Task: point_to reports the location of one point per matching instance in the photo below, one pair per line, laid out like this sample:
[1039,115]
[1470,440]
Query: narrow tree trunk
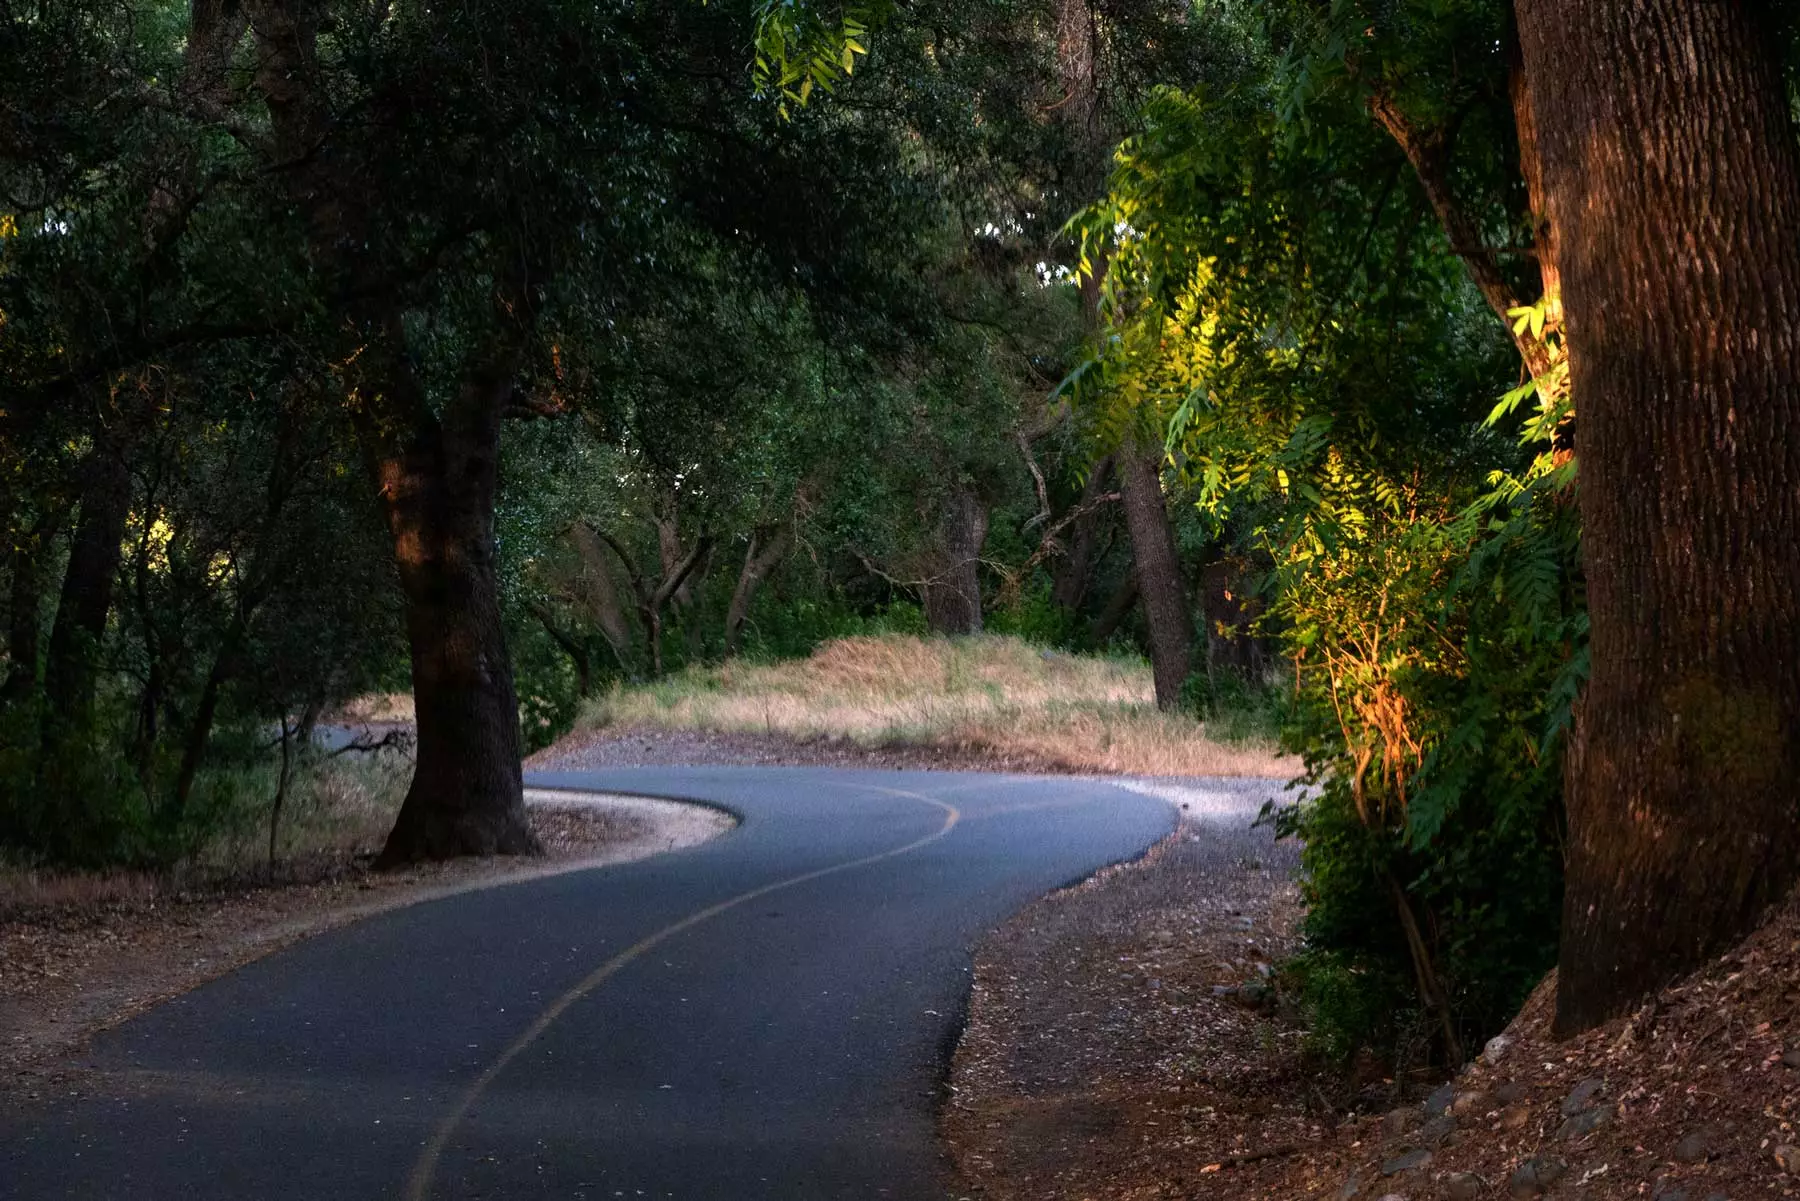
[467,795]
[1123,600]
[600,596]
[26,611]
[72,657]
[570,646]
[1670,175]
[1431,988]
[193,753]
[952,597]
[1428,150]
[759,561]
[1075,573]
[281,789]
[1158,571]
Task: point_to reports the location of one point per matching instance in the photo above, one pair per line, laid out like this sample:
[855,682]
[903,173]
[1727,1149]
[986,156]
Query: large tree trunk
[1670,175]
[1158,571]
[952,596]
[466,796]
[437,474]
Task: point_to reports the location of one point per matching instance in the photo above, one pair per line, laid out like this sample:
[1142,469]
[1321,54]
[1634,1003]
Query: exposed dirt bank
[79,954]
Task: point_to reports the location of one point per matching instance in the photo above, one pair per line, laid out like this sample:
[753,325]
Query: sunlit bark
[1671,182]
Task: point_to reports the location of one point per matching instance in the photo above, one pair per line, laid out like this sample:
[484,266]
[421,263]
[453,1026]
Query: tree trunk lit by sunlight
[1670,177]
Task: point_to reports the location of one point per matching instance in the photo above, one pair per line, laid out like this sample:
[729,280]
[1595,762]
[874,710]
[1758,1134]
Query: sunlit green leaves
[801,45]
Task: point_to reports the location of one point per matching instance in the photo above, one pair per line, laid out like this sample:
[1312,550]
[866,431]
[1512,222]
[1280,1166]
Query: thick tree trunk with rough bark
[1158,570]
[437,473]
[1670,176]
[466,796]
[952,596]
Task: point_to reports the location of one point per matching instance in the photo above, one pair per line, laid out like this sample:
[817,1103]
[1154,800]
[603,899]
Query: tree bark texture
[466,796]
[1670,177]
[1158,571]
[952,595]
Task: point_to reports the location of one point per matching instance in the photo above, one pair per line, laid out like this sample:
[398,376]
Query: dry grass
[335,809]
[1072,712]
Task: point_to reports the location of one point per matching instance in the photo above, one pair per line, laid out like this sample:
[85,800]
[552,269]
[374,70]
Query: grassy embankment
[1000,694]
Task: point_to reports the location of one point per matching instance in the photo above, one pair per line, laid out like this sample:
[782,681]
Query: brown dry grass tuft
[999,694]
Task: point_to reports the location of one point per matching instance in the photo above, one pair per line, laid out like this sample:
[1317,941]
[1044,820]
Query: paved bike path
[766,1015]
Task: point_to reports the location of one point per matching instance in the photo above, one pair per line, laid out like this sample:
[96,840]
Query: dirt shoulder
[1123,1044]
[80,955]
[1119,1038]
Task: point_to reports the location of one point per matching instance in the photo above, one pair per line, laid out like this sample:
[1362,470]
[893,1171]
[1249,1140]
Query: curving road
[767,1015]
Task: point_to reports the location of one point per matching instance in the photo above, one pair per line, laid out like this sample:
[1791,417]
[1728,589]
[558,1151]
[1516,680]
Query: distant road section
[764,1017]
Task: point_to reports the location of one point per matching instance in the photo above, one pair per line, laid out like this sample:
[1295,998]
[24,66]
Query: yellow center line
[418,1185]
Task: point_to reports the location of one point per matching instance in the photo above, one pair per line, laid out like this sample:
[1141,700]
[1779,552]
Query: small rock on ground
[1535,1177]
[1692,1148]
[1462,1186]
[1584,1122]
[1406,1162]
[1582,1095]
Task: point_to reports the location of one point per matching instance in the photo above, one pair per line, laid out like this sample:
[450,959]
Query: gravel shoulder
[79,960]
[1120,1037]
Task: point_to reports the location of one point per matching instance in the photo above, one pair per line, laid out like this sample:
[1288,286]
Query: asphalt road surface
[766,1016]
